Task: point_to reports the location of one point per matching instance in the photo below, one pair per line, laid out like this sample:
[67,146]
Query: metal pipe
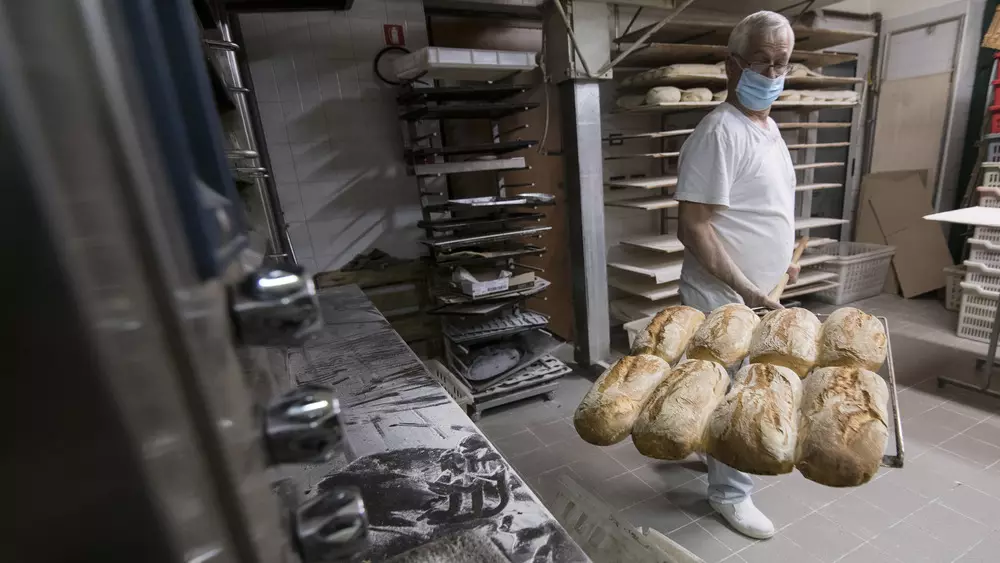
[572,36]
[642,40]
[280,246]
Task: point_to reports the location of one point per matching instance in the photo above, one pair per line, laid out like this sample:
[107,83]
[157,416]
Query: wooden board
[645,203]
[647,289]
[677,107]
[814,259]
[818,145]
[652,135]
[658,267]
[813,125]
[657,182]
[646,183]
[809,289]
[814,242]
[802,223]
[438,168]
[656,55]
[717,33]
[814,187]
[912,116]
[809,277]
[643,155]
[632,308]
[667,244]
[719,82]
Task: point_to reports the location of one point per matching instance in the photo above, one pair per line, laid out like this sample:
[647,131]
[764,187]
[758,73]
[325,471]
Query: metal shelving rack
[644,268]
[481,231]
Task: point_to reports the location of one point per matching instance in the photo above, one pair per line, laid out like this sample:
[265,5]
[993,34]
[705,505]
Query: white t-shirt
[733,162]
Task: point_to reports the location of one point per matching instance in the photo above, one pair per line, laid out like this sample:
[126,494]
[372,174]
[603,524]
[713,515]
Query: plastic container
[432,63]
[995,122]
[991,179]
[984,252]
[983,276]
[979,309]
[954,276]
[993,152]
[450,382]
[861,269]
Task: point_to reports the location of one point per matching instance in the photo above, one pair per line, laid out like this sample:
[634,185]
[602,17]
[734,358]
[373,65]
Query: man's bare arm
[698,236]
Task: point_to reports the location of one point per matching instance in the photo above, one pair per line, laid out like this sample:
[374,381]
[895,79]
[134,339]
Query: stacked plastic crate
[981,286]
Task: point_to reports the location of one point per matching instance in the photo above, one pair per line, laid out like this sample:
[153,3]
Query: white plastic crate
[984,252]
[979,309]
[993,151]
[458,390]
[991,179]
[989,234]
[433,63]
[605,537]
[953,289]
[982,276]
[861,269]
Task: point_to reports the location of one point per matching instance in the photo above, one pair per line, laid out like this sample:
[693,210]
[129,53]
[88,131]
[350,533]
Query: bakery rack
[644,270]
[492,232]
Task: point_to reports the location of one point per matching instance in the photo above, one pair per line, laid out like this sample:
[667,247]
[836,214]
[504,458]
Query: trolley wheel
[549,396]
[475,415]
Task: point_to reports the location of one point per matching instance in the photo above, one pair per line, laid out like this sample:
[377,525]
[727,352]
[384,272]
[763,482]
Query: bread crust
[843,426]
[754,428]
[725,335]
[852,338]
[672,424]
[609,409]
[668,334]
[787,337]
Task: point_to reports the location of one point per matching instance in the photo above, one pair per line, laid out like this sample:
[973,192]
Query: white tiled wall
[331,129]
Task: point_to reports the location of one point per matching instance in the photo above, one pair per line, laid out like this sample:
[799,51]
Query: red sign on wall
[393,34]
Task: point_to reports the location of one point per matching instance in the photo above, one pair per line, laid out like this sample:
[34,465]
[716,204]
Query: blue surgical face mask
[756,91]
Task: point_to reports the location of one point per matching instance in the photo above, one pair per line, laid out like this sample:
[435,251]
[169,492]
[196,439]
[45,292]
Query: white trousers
[725,484]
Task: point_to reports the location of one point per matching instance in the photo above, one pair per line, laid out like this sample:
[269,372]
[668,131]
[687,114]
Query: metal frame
[583,162]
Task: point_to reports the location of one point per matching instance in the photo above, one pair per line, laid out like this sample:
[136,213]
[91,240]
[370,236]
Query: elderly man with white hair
[736,187]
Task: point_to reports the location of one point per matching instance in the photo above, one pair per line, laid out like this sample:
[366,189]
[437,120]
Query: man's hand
[793,273]
[754,298]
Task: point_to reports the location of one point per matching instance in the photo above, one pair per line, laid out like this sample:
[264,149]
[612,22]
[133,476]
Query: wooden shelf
[814,187]
[643,155]
[615,137]
[693,81]
[818,146]
[661,54]
[658,267]
[645,289]
[815,165]
[634,308]
[439,168]
[645,203]
[809,289]
[813,125]
[647,183]
[811,277]
[808,260]
[677,107]
[667,244]
[802,223]
[814,242]
[690,32]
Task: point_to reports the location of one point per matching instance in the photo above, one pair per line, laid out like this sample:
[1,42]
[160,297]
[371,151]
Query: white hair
[769,26]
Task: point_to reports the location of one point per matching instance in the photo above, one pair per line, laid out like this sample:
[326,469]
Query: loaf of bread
[842,426]
[696,95]
[851,338]
[630,101]
[754,427]
[786,337]
[725,335]
[609,409]
[663,95]
[667,335]
[672,424]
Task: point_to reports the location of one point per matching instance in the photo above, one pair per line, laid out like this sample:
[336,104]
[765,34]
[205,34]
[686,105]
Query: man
[736,189]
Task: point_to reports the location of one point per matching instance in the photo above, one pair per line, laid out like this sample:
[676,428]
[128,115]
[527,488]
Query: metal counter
[424,469]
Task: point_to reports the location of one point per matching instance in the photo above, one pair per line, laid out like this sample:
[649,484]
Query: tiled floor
[942,506]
